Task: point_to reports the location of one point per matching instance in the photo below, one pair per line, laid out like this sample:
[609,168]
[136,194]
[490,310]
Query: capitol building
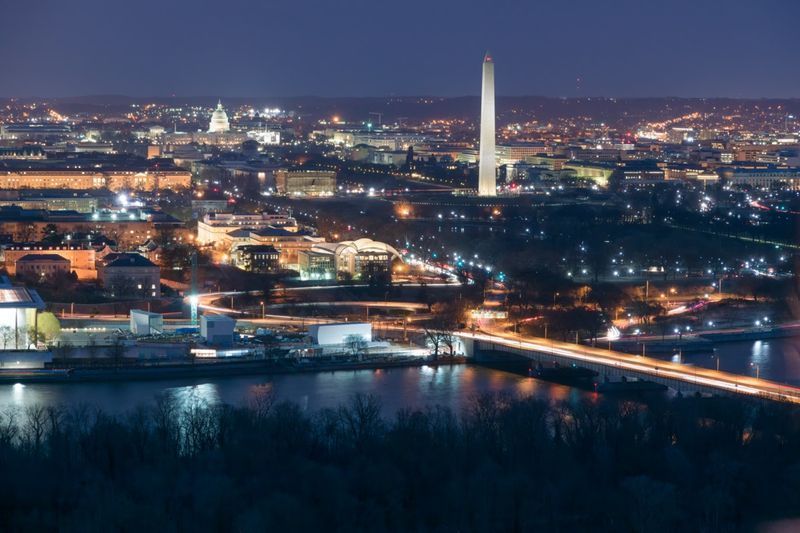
[219,120]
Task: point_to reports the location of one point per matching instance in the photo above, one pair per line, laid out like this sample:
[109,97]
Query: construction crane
[193,296]
[379,115]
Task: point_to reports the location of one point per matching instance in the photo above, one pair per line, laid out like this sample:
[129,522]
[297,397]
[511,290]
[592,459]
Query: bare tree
[355,344]
[6,336]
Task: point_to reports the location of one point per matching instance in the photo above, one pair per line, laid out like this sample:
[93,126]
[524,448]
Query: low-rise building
[287,243]
[340,333]
[129,275]
[128,229]
[213,228]
[80,256]
[217,330]
[40,266]
[316,265]
[257,258]
[146,323]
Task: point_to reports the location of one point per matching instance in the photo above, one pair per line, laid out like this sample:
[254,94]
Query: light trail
[658,370]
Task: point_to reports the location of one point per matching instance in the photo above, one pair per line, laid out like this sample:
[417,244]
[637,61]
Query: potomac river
[415,387]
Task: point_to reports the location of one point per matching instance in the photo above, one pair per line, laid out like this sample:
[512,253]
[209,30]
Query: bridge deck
[617,364]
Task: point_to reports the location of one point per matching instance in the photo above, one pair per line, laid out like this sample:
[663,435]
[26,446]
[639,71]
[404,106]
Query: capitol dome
[219,120]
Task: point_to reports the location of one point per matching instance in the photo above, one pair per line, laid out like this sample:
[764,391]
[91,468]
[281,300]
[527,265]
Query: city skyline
[565,299]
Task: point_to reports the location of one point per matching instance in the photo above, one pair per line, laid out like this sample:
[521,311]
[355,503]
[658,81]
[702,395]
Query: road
[656,369]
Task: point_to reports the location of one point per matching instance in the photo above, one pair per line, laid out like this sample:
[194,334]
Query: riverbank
[206,370]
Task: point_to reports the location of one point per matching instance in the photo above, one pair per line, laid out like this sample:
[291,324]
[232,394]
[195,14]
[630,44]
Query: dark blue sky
[738,48]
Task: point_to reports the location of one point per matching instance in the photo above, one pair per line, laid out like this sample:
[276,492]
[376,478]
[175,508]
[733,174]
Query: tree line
[504,464]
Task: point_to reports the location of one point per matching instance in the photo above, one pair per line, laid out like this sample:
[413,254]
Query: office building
[768,178]
[94,171]
[305,182]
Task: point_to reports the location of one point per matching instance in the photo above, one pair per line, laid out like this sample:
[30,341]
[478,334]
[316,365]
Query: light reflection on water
[449,386]
[774,359]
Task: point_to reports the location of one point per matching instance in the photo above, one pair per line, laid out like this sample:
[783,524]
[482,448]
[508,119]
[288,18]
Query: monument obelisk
[487,169]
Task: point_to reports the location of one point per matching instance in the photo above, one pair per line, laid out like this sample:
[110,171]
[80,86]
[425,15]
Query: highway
[644,367]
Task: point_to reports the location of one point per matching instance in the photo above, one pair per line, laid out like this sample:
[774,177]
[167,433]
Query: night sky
[737,48]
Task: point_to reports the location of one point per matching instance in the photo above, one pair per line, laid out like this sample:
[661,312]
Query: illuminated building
[487,170]
[81,257]
[81,204]
[305,182]
[128,229]
[215,226]
[34,131]
[22,152]
[289,244]
[38,266]
[338,334]
[780,178]
[508,154]
[256,258]
[219,120]
[94,171]
[359,259]
[19,308]
[599,173]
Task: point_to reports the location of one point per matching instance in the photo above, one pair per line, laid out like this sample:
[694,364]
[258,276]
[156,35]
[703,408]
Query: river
[416,387]
[773,359]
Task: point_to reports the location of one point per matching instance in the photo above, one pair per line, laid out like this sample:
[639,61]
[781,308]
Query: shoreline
[188,370]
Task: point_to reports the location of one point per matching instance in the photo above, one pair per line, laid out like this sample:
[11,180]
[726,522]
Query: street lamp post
[263,312]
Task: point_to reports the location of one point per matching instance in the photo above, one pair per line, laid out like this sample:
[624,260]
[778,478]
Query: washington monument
[487,171]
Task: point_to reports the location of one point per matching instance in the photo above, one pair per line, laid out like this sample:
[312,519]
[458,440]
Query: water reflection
[773,359]
[17,394]
[203,394]
[453,387]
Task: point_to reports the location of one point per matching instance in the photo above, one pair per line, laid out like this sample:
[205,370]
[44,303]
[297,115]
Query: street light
[758,370]
[263,314]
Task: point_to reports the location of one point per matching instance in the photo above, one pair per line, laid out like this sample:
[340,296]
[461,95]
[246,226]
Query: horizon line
[386,97]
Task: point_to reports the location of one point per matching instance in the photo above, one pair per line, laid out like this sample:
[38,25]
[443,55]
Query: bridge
[614,366]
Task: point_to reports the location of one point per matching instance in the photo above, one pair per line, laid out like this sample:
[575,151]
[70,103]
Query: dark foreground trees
[503,465]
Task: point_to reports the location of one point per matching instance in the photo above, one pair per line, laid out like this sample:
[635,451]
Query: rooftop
[127,260]
[41,257]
